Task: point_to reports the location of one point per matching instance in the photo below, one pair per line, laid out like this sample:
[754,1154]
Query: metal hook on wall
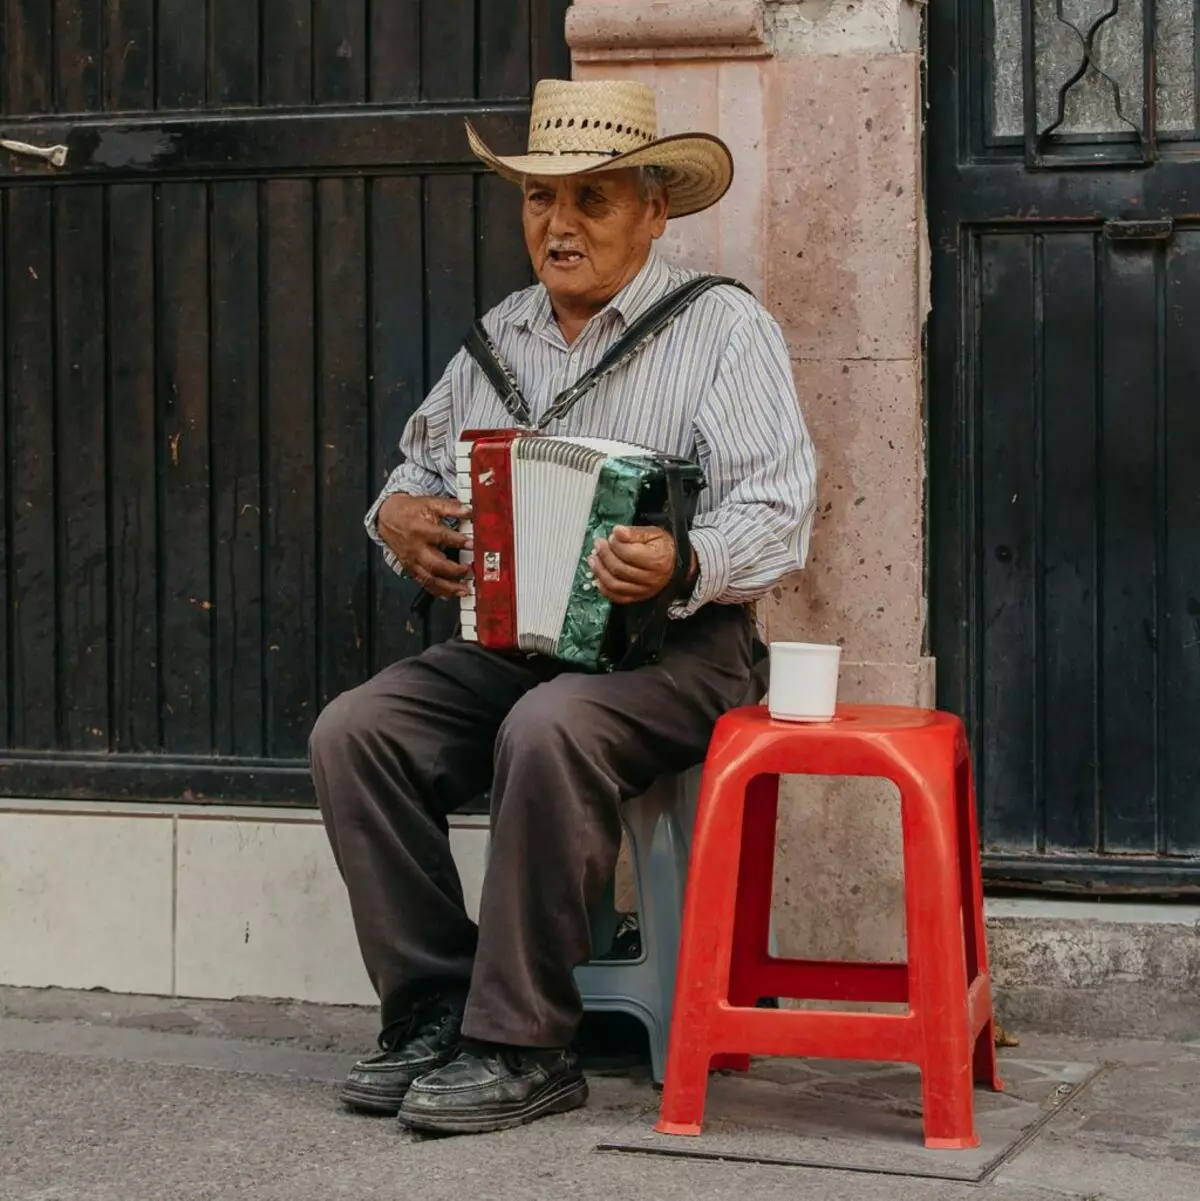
[56,156]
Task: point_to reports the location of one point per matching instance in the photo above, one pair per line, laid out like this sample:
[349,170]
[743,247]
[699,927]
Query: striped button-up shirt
[714,386]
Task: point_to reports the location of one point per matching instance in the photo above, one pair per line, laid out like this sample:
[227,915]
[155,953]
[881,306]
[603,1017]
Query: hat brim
[699,167]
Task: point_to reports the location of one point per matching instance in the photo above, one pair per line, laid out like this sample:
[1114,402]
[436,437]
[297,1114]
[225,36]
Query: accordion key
[539,504]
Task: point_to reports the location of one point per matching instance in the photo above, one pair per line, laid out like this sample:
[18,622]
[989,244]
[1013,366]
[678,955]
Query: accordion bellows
[539,504]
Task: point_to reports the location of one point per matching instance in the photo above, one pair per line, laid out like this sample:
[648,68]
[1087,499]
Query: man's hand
[636,563]
[412,527]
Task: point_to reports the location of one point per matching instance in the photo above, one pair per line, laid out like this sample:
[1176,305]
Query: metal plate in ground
[859,1118]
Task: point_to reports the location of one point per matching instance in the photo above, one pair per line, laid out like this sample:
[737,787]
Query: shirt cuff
[712,554]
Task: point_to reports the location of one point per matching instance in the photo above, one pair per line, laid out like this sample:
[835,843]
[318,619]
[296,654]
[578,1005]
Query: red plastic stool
[725,964]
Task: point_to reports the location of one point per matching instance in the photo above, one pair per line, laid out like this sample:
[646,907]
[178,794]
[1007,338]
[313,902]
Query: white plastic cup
[804,681]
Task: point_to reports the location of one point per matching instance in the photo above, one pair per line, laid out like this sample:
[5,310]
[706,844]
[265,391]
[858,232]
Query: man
[478,1022]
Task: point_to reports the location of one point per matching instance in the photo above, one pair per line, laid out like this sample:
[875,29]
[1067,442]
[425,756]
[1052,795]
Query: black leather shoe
[427,1040]
[490,1088]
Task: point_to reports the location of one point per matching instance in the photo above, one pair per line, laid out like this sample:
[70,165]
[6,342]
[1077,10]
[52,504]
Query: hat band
[569,153]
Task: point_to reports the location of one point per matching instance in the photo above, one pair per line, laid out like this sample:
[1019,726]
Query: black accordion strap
[677,527]
[481,348]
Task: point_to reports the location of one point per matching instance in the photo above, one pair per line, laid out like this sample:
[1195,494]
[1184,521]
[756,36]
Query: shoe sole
[362,1101]
[564,1096]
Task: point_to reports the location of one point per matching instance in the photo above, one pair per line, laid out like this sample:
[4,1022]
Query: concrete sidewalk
[109,1098]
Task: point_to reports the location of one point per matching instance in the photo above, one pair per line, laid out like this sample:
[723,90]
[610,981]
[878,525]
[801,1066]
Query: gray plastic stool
[659,827]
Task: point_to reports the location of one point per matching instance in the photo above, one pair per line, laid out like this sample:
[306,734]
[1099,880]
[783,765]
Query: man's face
[589,235]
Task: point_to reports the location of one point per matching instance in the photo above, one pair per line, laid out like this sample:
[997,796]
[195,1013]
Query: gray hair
[651,182]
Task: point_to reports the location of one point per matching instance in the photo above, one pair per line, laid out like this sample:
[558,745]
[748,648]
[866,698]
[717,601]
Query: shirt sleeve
[427,445]
[760,468]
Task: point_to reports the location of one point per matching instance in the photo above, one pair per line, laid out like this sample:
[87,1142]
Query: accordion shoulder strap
[650,323]
[481,348]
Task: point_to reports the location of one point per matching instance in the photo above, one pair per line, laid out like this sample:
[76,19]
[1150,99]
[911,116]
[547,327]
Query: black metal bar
[1094,875]
[257,144]
[1158,230]
[1038,616]
[996,191]
[1048,147]
[151,778]
[1161,798]
[1029,80]
[1150,78]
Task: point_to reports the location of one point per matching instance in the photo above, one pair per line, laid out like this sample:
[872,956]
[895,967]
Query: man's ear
[658,216]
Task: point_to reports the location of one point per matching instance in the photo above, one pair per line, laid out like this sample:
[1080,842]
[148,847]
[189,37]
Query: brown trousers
[561,750]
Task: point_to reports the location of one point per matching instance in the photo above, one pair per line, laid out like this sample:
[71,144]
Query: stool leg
[705,951]
[986,1067]
[752,925]
[937,955]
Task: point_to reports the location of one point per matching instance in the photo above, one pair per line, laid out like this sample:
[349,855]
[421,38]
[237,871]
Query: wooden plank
[287,52]
[1127,505]
[1068,478]
[233,66]
[237,474]
[503,261]
[551,58]
[1006,385]
[504,49]
[340,52]
[448,47]
[172,778]
[238,142]
[33,562]
[1180,635]
[5,508]
[184,466]
[78,41]
[450,290]
[395,59]
[129,55]
[397,356]
[81,435]
[181,72]
[133,488]
[449,267]
[289,586]
[5,473]
[28,64]
[341,432]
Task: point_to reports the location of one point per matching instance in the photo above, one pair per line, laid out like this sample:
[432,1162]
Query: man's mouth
[566,257]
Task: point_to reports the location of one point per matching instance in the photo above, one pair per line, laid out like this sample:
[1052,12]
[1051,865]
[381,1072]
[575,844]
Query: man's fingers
[444,507]
[621,592]
[643,546]
[443,535]
[619,567]
[439,588]
[439,575]
[437,564]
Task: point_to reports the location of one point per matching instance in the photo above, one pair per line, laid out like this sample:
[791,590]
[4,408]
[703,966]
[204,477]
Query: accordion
[538,505]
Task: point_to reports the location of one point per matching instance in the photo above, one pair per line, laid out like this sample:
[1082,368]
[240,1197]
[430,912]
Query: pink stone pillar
[820,103]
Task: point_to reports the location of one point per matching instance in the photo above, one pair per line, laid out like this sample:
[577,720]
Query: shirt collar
[650,284]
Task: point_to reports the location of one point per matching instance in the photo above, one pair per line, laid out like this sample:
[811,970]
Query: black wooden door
[266,240]
[1064,370]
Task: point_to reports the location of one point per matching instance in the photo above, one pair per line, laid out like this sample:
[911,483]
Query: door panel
[1065,423]
[268,239]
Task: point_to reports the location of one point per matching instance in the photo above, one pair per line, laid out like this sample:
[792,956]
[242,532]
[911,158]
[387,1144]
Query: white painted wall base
[179,901]
[222,903]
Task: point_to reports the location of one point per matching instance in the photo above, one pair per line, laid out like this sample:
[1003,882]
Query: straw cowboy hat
[577,128]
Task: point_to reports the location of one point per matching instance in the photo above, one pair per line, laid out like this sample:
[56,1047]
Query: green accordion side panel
[615,503]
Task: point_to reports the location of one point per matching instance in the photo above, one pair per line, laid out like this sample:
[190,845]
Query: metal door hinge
[1140,230]
[56,156]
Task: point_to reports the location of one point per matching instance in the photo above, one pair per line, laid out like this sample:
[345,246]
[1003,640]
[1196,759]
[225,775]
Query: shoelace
[398,1033]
